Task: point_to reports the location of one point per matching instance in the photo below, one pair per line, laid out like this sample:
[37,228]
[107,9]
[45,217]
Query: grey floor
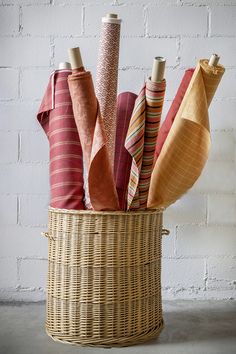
[201,327]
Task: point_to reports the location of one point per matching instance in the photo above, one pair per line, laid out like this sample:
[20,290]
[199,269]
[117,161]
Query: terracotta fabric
[123,160]
[166,125]
[101,185]
[187,145]
[66,167]
[106,81]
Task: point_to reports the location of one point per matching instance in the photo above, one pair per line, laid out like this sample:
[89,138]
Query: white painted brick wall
[199,255]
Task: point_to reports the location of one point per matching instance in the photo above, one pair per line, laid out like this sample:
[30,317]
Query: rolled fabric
[66,166]
[141,141]
[107,77]
[101,185]
[166,125]
[123,160]
[187,145]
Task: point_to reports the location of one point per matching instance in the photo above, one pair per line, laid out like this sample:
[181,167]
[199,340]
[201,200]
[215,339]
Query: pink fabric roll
[66,166]
[123,160]
[165,127]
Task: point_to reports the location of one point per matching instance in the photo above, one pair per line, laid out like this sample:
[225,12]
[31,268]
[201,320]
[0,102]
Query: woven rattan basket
[104,271]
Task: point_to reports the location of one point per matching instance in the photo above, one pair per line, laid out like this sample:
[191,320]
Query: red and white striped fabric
[66,166]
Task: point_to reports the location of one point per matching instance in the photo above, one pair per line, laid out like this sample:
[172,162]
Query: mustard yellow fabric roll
[186,148]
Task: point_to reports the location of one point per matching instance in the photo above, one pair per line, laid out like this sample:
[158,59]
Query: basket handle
[46,234]
[165,232]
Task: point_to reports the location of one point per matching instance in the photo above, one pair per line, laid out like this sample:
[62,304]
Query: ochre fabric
[123,160]
[170,117]
[187,145]
[66,166]
[101,185]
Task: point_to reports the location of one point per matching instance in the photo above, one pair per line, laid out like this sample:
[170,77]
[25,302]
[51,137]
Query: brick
[34,147]
[132,19]
[222,114]
[19,116]
[192,49]
[226,89]
[206,240]
[208,2]
[8,147]
[177,20]
[8,84]
[25,51]
[130,80]
[221,272]
[34,210]
[133,51]
[33,273]
[24,178]
[189,209]
[39,78]
[61,20]
[182,273]
[168,241]
[223,146]
[8,274]
[18,241]
[9,20]
[223,20]
[88,47]
[217,176]
[222,209]
[8,209]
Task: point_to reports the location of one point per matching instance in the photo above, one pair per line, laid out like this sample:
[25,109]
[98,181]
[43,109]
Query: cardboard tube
[111,18]
[158,69]
[64,65]
[214,59]
[75,58]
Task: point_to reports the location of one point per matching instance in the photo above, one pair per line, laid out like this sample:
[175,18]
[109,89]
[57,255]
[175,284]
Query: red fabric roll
[165,128]
[123,160]
[66,166]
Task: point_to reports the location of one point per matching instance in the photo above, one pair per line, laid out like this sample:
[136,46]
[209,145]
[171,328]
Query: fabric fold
[66,166]
[170,117]
[101,186]
[123,160]
[141,141]
[187,145]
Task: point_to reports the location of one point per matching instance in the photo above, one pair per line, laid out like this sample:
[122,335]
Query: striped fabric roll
[123,160]
[141,141]
[66,167]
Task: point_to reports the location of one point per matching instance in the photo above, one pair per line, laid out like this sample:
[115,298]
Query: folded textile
[187,145]
[166,125]
[66,167]
[123,160]
[141,141]
[101,185]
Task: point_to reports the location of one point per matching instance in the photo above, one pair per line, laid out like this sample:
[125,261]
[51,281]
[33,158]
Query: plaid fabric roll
[123,160]
[66,166]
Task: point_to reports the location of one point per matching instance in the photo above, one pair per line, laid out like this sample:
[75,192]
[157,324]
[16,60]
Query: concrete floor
[196,327]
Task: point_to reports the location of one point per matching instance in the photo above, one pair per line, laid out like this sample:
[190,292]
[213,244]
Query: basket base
[108,342]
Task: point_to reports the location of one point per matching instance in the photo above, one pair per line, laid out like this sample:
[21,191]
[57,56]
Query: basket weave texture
[104,285]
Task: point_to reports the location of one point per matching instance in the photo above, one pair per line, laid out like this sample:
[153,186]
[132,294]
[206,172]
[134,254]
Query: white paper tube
[75,58]
[214,59]
[158,69]
[64,65]
[111,18]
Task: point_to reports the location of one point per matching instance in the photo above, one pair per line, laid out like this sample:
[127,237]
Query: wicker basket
[104,277]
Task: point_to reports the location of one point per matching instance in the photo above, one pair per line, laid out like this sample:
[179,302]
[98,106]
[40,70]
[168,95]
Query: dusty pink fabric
[165,127]
[123,160]
[66,166]
[101,184]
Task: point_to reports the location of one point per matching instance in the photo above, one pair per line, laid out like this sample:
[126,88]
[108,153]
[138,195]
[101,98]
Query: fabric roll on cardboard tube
[66,167]
[187,145]
[142,135]
[107,77]
[123,160]
[101,186]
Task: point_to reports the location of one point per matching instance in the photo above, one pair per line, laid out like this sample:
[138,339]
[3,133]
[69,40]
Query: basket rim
[116,212]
